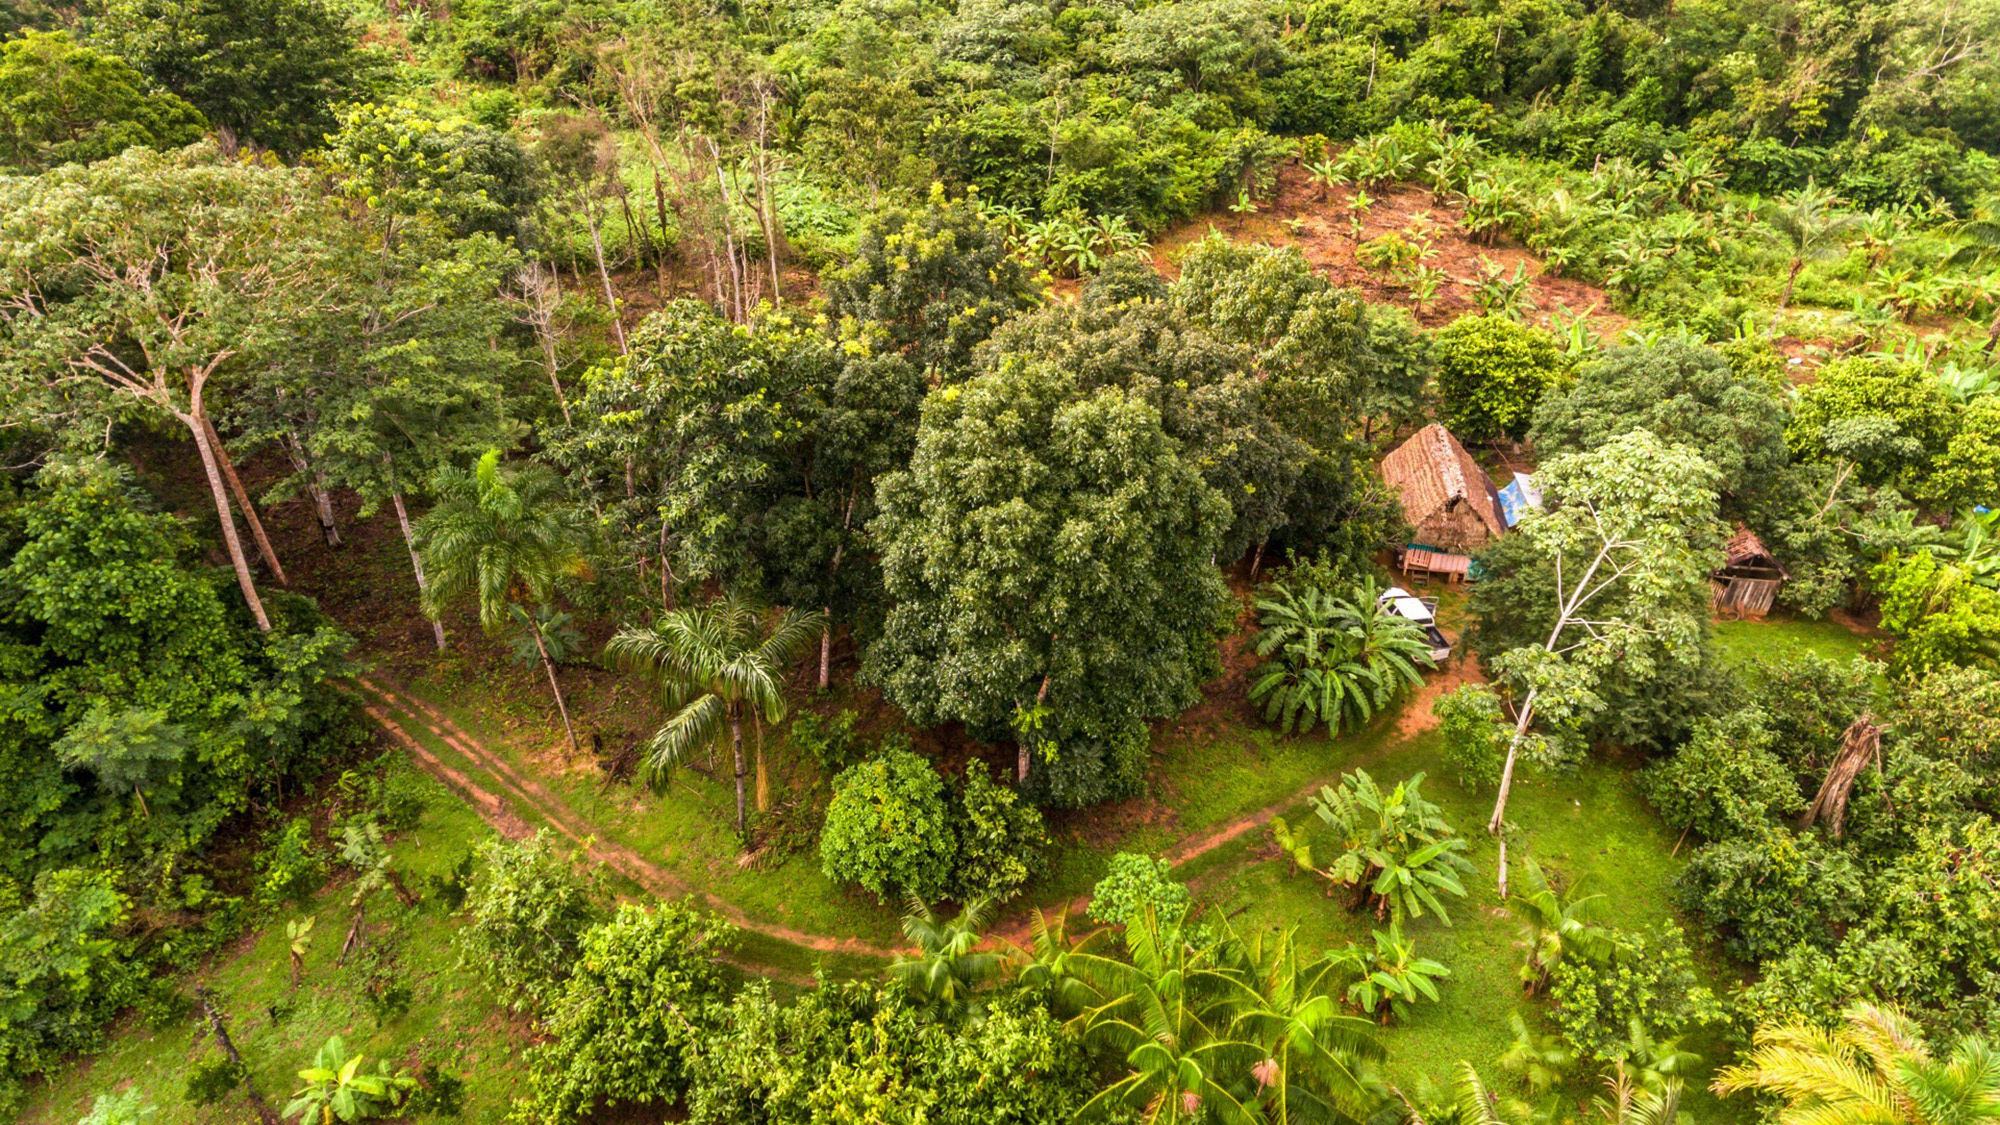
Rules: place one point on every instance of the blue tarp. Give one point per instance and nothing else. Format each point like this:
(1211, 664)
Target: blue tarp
(1519, 495)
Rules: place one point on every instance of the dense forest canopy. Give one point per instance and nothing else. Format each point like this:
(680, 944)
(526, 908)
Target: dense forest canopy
(820, 484)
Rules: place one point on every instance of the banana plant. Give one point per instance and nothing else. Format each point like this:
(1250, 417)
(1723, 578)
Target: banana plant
(335, 1088)
(1391, 978)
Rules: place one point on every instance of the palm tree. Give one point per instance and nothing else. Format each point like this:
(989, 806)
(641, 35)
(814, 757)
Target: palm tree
(1553, 925)
(1873, 1070)
(1171, 1019)
(713, 665)
(507, 536)
(1807, 226)
(948, 967)
(1318, 1059)
(1982, 244)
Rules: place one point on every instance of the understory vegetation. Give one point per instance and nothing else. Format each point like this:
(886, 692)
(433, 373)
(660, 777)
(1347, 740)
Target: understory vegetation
(836, 562)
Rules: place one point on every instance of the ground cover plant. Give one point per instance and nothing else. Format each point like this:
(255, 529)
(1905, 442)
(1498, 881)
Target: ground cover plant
(829, 562)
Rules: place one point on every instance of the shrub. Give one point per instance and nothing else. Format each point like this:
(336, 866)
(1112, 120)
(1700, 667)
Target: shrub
(1595, 1003)
(1001, 840)
(1475, 736)
(1492, 374)
(62, 974)
(128, 1108)
(1133, 882)
(831, 744)
(1768, 892)
(291, 867)
(623, 1023)
(1725, 781)
(888, 828)
(212, 1079)
(529, 908)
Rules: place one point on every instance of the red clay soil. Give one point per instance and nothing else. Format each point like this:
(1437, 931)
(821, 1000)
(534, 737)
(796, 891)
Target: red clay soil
(1323, 236)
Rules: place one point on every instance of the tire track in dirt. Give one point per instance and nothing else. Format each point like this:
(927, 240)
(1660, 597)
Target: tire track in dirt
(561, 817)
(1416, 718)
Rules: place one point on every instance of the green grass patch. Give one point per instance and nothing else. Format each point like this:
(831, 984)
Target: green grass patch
(453, 1020)
(1753, 642)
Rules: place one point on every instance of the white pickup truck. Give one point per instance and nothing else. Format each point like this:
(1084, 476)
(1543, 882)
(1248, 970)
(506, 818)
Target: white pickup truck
(1423, 611)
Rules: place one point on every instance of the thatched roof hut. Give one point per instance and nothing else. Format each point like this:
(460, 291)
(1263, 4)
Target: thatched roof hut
(1446, 496)
(1747, 582)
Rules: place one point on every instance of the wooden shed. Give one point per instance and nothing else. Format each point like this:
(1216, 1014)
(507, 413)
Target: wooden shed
(1446, 496)
(1747, 582)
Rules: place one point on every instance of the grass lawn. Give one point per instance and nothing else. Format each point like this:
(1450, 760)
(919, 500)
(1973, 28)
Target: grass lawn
(454, 1020)
(1750, 642)
(1589, 825)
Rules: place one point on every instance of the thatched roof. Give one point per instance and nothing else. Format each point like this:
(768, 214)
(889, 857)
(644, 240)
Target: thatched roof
(1432, 471)
(1745, 551)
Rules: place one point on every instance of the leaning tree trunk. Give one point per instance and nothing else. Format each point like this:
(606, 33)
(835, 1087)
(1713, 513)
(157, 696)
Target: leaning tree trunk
(1860, 745)
(1791, 279)
(604, 275)
(195, 425)
(243, 501)
(222, 1040)
(329, 528)
(736, 744)
(416, 562)
(562, 708)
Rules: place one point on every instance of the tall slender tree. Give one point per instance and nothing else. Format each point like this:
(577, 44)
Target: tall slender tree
(505, 535)
(713, 665)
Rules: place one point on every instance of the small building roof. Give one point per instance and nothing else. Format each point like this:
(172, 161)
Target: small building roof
(1432, 470)
(1745, 550)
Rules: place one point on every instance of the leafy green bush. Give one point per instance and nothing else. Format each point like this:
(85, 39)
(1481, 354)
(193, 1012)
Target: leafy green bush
(1594, 1003)
(1002, 843)
(1134, 882)
(1725, 781)
(802, 1063)
(1475, 735)
(1491, 374)
(337, 1087)
(623, 1024)
(1771, 890)
(528, 910)
(62, 973)
(1393, 850)
(831, 744)
(888, 828)
(211, 1080)
(128, 1108)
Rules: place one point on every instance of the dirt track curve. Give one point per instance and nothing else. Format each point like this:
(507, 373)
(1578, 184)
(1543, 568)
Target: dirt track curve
(380, 693)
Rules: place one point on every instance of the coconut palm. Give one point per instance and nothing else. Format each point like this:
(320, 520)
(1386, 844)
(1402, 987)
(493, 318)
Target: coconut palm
(1807, 226)
(1556, 924)
(1875, 1069)
(948, 967)
(1170, 1018)
(713, 665)
(1318, 1063)
(506, 535)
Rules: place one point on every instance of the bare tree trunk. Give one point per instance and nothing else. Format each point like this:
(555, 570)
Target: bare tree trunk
(1507, 771)
(825, 645)
(1785, 298)
(329, 527)
(416, 562)
(243, 501)
(1861, 744)
(222, 1040)
(195, 424)
(562, 708)
(765, 216)
(763, 770)
(660, 205)
(604, 275)
(736, 744)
